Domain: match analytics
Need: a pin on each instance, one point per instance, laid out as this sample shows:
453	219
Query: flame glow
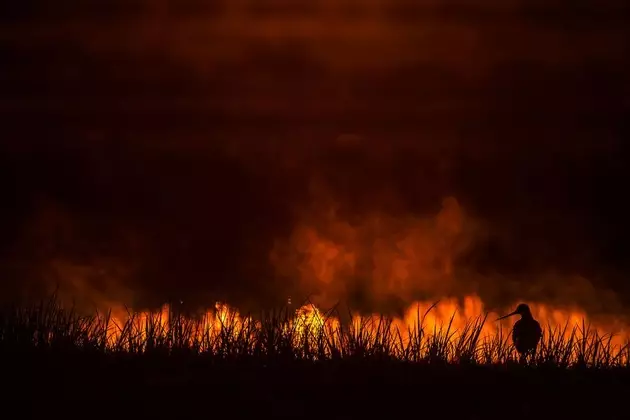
384	257
447	320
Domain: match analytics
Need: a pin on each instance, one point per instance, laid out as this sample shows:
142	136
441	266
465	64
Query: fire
448	319
386	257
403	257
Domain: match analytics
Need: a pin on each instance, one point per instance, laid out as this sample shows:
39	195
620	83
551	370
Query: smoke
335	223
370	151
354	242
378	262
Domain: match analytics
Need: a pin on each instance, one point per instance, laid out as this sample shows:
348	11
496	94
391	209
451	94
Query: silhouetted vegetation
274	364
287	336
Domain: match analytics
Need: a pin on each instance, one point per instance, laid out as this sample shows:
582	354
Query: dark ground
93	387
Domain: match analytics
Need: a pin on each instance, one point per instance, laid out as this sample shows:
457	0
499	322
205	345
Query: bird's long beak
505	316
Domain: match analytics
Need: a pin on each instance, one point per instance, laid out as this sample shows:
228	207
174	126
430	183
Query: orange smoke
411	258
402	257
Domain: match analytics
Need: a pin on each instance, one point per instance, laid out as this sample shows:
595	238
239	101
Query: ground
75	385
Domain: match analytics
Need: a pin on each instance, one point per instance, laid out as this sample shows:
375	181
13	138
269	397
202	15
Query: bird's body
526	333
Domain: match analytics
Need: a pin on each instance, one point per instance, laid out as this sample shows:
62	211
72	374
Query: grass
309	366
282	336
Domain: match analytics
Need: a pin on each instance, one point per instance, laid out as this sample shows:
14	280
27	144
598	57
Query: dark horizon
173	144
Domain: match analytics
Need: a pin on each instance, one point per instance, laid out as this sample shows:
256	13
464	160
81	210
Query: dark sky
177	140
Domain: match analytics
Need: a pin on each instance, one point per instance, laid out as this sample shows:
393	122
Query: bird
526	333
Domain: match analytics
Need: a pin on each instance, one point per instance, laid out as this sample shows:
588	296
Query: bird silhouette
526	333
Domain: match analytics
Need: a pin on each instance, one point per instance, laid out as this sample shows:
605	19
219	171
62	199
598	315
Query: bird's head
522	310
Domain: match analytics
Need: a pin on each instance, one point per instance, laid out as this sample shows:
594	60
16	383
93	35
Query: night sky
169	144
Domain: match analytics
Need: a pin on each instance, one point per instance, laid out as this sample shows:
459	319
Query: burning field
328	190
442	331
391	262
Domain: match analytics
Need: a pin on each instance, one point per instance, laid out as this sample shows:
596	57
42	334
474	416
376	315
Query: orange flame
399	257
434	320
